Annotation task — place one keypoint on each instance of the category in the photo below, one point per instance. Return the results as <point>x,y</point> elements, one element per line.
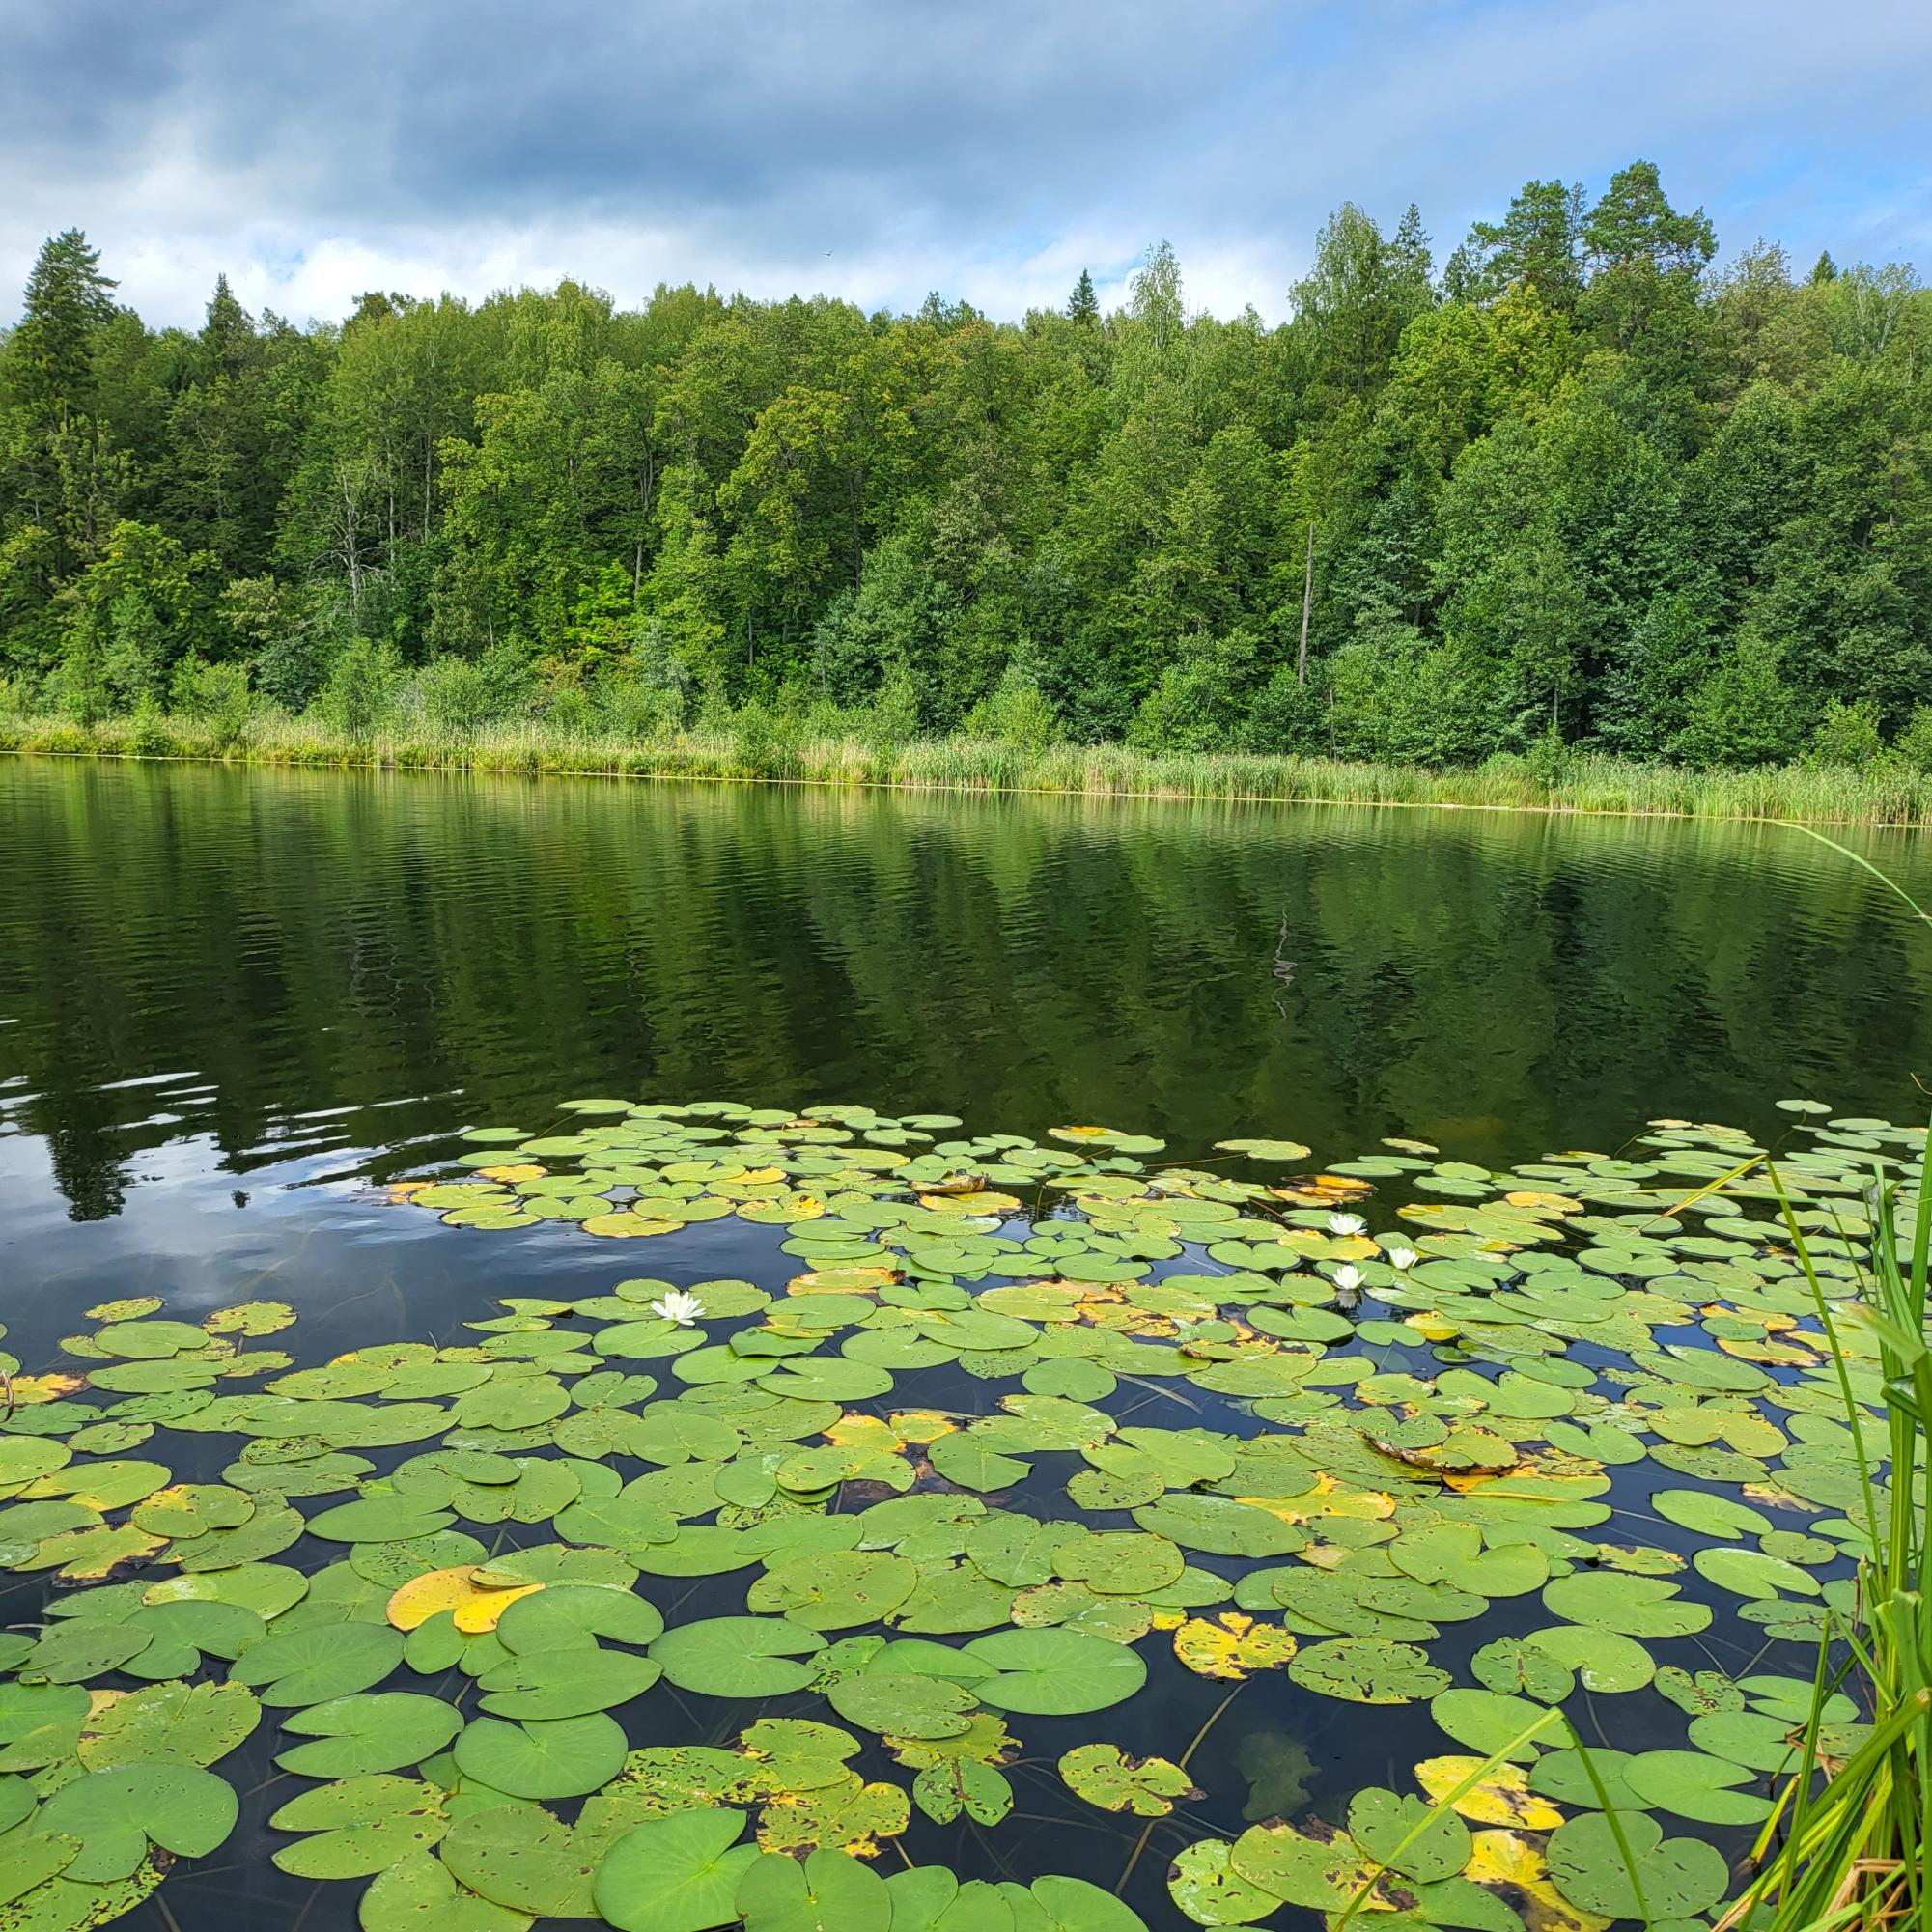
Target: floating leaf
<point>1231,1645</point>
<point>168,1723</point>
<point>1367,1670</point>
<point>674,1874</point>
<point>520,1857</point>
<point>1055,1672</point>
<point>738,1656</point>
<point>1694,1784</point>
<point>1409,1836</point>
<point>361,1825</point>
<point>1203,1883</point>
<point>829,1892</point>
<point>1631,1605</point>
<point>1103,1774</point>
<point>293,1668</point>
<point>418,1894</point>
<point>365,1733</point>
<point>1680,1877</point>
<point>903,1703</point>
<point>114,1813</point>
<point>562,1758</point>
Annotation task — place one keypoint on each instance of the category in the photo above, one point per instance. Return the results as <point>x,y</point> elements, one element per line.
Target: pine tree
<point>66,477</point>
<point>1083,306</point>
<point>66,300</point>
<point>1824,269</point>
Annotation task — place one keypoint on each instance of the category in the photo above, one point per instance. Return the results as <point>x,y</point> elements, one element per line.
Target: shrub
<point>77,685</point>
<point>358,697</point>
<point>1397,697</point>
<point>1197,706</point>
<point>636,709</point>
<point>215,695</point>
<point>137,653</point>
<point>1914,743</point>
<point>1547,761</point>
<point>1016,713</point>
<point>1285,716</point>
<point>1846,735</point>
<point>1743,714</point>
<point>569,709</point>
<point>894,715</point>
<point>148,735</point>
<point>460,695</point>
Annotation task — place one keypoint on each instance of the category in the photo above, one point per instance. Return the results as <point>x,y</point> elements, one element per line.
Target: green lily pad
<point>367,1733</point>
<point>169,1723</point>
<point>1679,1877</point>
<point>1752,1573</point>
<point>1408,1836</point>
<point>674,1874</point>
<point>310,1666</point>
<point>1205,1885</point>
<point>114,1813</point>
<point>1367,1670</point>
<point>1694,1784</point>
<point>1631,1605</point>
<point>568,1682</point>
<point>738,1656</point>
<point>1055,1672</point>
<point>903,1704</point>
<point>359,1826</point>
<point>521,1859</point>
<point>560,1757</point>
<point>828,1892</point>
<point>418,1894</point>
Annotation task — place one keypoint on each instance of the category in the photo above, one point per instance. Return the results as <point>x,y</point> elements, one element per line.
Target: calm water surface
<point>228,1000</point>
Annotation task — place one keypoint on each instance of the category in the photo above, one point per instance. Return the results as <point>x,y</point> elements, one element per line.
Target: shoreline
<point>1589,785</point>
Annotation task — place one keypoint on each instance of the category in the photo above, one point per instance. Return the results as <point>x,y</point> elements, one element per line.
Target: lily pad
<point>368,1733</point>
<point>1105,1775</point>
<point>1367,1670</point>
<point>676,1874</point>
<point>560,1758</point>
<point>1055,1672</point>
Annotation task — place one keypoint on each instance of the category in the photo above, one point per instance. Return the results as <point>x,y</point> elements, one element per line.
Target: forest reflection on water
<point>270,964</point>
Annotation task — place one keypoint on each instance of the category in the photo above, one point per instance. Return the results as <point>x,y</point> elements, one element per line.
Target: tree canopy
<point>1583,485</point>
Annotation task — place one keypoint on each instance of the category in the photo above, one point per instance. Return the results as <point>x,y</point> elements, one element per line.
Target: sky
<point>878,150</point>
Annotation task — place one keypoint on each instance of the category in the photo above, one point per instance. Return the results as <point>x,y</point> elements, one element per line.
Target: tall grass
<point>767,749</point>
<point>1846,1844</point>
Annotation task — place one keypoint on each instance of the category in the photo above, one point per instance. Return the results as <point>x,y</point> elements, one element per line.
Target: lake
<point>234,1005</point>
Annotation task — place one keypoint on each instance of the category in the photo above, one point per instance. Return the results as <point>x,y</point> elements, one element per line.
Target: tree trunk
<point>1308,606</point>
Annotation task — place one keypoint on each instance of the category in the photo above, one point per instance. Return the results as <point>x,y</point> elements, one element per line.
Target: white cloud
<point>876,152</point>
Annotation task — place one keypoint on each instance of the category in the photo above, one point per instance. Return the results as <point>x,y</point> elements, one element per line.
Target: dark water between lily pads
<point>230,1001</point>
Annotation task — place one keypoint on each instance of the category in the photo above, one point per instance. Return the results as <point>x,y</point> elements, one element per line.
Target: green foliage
<point>460,695</point>
<point>1913,744</point>
<point>359,696</point>
<point>1744,713</point>
<point>1585,482</point>
<point>1847,734</point>
<point>215,695</point>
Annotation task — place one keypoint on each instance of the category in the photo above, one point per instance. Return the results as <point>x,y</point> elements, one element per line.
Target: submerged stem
<point>1181,1763</point>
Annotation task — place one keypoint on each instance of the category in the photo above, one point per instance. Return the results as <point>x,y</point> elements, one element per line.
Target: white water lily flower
<point>1346,1225</point>
<point>1402,1257</point>
<point>1347,1277</point>
<point>680,1307</point>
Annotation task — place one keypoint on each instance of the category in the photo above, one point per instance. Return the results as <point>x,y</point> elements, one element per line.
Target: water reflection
<point>290,963</point>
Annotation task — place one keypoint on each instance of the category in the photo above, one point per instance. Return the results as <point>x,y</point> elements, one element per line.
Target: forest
<point>1579,483</point>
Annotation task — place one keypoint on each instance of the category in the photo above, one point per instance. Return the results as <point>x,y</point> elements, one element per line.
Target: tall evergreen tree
<point>64,476</point>
<point>1083,306</point>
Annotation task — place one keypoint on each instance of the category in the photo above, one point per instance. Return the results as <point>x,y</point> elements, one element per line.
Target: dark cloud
<point>494,111</point>
<point>991,148</point>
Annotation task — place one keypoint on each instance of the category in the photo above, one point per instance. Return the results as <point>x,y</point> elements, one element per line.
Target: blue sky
<point>877,149</point>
